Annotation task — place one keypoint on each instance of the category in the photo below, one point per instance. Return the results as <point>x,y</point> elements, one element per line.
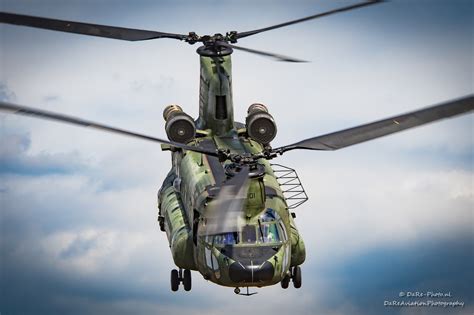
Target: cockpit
<point>250,246</point>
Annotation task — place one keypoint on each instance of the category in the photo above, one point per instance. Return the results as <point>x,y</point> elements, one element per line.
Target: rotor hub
<point>213,45</point>
<point>212,50</point>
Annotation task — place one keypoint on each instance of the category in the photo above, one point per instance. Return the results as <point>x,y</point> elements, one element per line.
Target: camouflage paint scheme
<point>187,191</point>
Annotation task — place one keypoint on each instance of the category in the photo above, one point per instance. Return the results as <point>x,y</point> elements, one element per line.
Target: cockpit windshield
<point>269,229</point>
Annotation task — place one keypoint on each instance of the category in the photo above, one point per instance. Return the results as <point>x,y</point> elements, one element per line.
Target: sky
<point>78,207</point>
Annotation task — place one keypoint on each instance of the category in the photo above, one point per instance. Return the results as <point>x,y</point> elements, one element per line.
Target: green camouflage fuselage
<point>270,244</point>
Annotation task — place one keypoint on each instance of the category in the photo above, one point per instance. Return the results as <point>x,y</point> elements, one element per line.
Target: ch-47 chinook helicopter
<point>225,209</point>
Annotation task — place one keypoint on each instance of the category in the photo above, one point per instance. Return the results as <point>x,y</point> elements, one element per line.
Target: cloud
<point>15,158</point>
<point>358,202</point>
<point>425,265</point>
<point>5,93</point>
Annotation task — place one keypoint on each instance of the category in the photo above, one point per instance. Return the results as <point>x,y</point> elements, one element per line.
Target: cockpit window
<point>226,238</point>
<point>283,231</point>
<point>269,215</point>
<point>248,234</point>
<point>269,233</point>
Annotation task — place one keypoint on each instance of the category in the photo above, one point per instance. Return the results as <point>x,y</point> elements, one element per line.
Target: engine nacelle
<point>179,126</point>
<point>260,124</point>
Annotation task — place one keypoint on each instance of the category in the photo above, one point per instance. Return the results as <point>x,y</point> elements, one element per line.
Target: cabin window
<point>221,107</point>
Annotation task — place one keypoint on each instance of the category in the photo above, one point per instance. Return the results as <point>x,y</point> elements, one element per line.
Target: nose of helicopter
<point>250,273</point>
<point>251,264</point>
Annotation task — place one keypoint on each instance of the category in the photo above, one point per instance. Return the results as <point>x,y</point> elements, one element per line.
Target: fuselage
<point>265,247</point>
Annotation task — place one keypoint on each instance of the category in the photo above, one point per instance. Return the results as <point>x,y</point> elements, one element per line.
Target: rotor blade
<point>85,28</point>
<point>28,111</point>
<point>225,213</point>
<point>262,53</point>
<point>348,137</point>
<point>315,16</point>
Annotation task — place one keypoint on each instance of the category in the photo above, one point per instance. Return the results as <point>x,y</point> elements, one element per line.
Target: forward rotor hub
<point>213,45</point>
<point>211,40</point>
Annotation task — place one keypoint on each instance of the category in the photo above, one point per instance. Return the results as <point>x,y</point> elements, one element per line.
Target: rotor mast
<point>216,110</point>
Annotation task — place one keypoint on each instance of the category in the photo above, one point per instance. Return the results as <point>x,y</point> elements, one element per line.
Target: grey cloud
<point>5,93</point>
<point>79,247</point>
<point>15,158</point>
<point>433,264</point>
<point>358,285</point>
<point>34,287</point>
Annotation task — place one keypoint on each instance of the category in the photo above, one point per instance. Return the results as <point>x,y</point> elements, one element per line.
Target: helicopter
<point>221,206</point>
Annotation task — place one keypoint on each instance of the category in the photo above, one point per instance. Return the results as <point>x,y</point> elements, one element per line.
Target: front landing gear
<point>178,277</point>
<point>295,276</point>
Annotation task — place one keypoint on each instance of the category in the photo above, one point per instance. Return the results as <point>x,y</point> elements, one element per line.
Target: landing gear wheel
<point>187,280</point>
<point>174,280</point>
<point>237,291</point>
<point>285,282</point>
<point>297,277</point>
